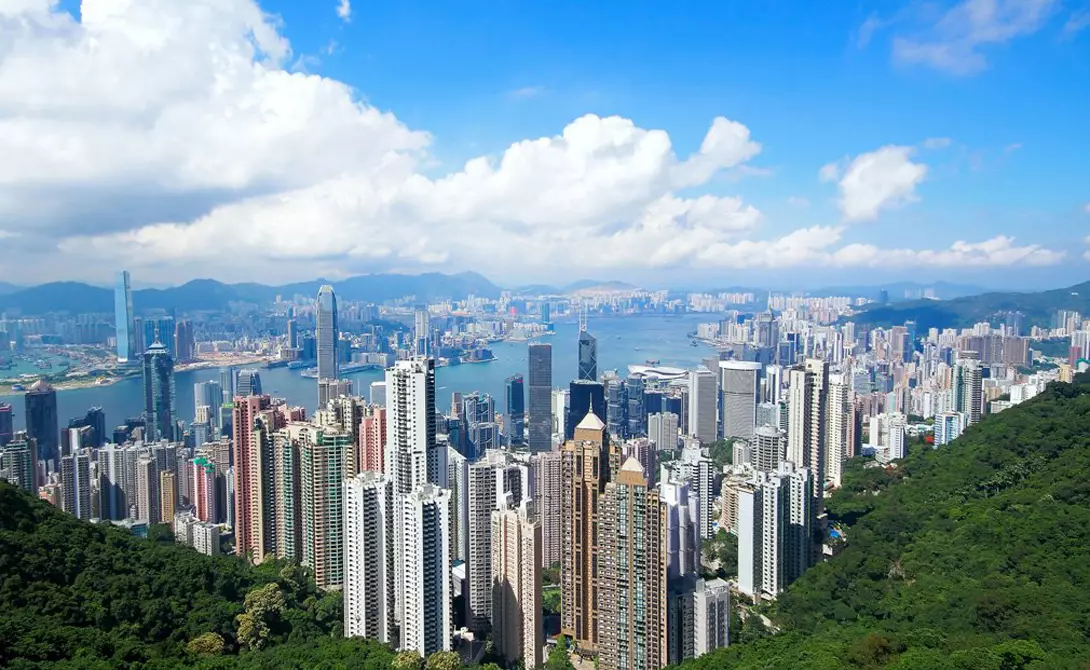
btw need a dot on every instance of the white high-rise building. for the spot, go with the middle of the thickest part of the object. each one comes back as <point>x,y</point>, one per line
<point>547,508</point>
<point>947,427</point>
<point>712,611</point>
<point>412,455</point>
<point>740,388</point>
<point>968,387</point>
<point>425,558</point>
<point>807,412</point>
<point>369,518</point>
<point>767,448</point>
<point>662,429</point>
<point>516,587</point>
<point>76,484</point>
<point>774,526</point>
<point>703,388</point>
<point>840,428</point>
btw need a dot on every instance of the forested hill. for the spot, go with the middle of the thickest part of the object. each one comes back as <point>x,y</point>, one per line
<point>975,556</point>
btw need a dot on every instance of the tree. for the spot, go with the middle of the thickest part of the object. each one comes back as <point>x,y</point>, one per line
<point>407,660</point>
<point>207,644</point>
<point>558,656</point>
<point>252,632</point>
<point>444,660</point>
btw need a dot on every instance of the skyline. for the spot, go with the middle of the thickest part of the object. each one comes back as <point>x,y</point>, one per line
<point>288,141</point>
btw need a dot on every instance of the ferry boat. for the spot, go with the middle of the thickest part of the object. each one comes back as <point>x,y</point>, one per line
<point>18,387</point>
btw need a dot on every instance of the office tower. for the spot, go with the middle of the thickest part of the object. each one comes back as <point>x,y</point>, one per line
<point>740,388</point>
<point>478,430</point>
<point>637,410</point>
<point>248,383</point>
<point>585,470</point>
<point>167,496</point>
<point>515,416</point>
<point>948,426</point>
<point>41,420</point>
<point>372,440</point>
<point>547,504</point>
<point>369,557</point>
<point>378,393</point>
<point>421,328</point>
<point>326,333</point>
<point>539,381</point>
<point>584,396</point>
<point>632,601</point>
<point>147,490</point>
<point>807,413</point>
<point>425,571</point>
<point>773,385</point>
<point>321,459</point>
<point>227,383</point>
<point>412,454</point>
<point>76,485</point>
<point>123,318</point>
<point>703,388</point>
<point>683,541</point>
<point>662,429</point>
<point>292,333</point>
<point>19,463</point>
<point>7,423</point>
<point>185,348</point>
<point>158,393</point>
<point>560,411</point>
<point>588,355</point>
<point>330,389</point>
<point>968,387</point>
<point>840,424</point>
<point>210,394</point>
<point>767,448</point>
<point>516,587</point>
<point>94,419</point>
<point>774,528</point>
<point>765,331</point>
<point>616,400</point>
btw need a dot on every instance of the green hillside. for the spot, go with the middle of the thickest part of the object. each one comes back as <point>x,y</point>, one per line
<point>1037,309</point>
<point>973,556</point>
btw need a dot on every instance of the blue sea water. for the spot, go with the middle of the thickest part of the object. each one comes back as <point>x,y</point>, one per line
<point>622,341</point>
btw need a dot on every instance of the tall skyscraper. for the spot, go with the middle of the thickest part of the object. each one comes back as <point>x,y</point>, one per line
<point>369,519</point>
<point>210,394</point>
<point>662,429</point>
<point>968,387</point>
<point>7,423</point>
<point>421,330</point>
<point>248,383</point>
<point>185,349</point>
<point>767,448</point>
<point>740,389</point>
<point>425,572</point>
<point>584,395</point>
<point>19,463</point>
<point>585,470</point>
<point>123,319</point>
<point>412,454</point>
<point>326,333</point>
<point>547,504</point>
<point>253,464</point>
<point>168,495</point>
<point>372,440</point>
<point>515,416</point>
<point>321,458</point>
<point>703,388</point>
<point>539,381</point>
<point>94,421</point>
<point>632,567</point>
<point>840,425</point>
<point>147,489</point>
<point>159,392</point>
<point>76,485</point>
<point>41,420</point>
<point>516,587</point>
<point>807,413</point>
<point>588,355</point>
<point>774,526</point>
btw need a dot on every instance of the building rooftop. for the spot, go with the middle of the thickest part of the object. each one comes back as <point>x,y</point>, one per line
<point>591,422</point>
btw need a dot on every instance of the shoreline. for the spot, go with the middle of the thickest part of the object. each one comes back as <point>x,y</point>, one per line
<point>105,380</point>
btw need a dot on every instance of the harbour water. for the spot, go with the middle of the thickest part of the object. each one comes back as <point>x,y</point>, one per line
<point>622,341</point>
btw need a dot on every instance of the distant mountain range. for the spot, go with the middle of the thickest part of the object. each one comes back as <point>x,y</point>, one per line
<point>903,291</point>
<point>209,294</point>
<point>1037,308</point>
<point>6,288</point>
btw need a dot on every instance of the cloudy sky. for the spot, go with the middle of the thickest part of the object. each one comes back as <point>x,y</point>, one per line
<point>729,143</point>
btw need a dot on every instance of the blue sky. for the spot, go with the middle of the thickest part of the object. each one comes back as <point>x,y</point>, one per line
<point>1004,84</point>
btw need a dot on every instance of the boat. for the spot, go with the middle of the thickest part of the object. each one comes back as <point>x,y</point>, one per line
<point>652,362</point>
<point>18,387</point>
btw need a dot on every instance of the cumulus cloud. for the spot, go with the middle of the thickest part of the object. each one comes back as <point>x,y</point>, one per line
<point>174,138</point>
<point>875,181</point>
<point>957,40</point>
<point>344,10</point>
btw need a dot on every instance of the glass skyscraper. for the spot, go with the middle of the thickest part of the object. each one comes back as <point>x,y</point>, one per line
<point>41,420</point>
<point>325,320</point>
<point>588,356</point>
<point>159,393</point>
<point>539,430</point>
<point>123,318</point>
<point>515,416</point>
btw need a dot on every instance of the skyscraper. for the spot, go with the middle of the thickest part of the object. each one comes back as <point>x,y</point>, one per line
<point>740,388</point>
<point>662,429</point>
<point>159,392</point>
<point>41,420</point>
<point>588,355</point>
<point>94,419</point>
<point>515,416</point>
<point>539,381</point>
<point>584,395</point>
<point>253,464</point>
<point>703,387</point>
<point>774,525</point>
<point>516,587</point>
<point>968,389</point>
<point>7,423</point>
<point>807,414</point>
<point>326,333</point>
<point>840,426</point>
<point>372,440</point>
<point>321,458</point>
<point>948,427</point>
<point>767,448</point>
<point>123,319</point>
<point>76,485</point>
<point>369,585</point>
<point>412,455</point>
<point>168,495</point>
<point>585,470</point>
<point>185,349</point>
<point>547,504</point>
<point>19,463</point>
<point>249,383</point>
<point>632,567</point>
<point>147,489</point>
<point>425,572</point>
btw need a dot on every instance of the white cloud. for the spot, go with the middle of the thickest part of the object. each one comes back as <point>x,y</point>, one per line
<point>871,182</point>
<point>527,92</point>
<point>937,143</point>
<point>169,138</point>
<point>344,10</point>
<point>956,42</point>
<point>829,172</point>
<point>798,201</point>
<point>1076,23</point>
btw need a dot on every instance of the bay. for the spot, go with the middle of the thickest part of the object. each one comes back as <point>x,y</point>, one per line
<point>622,341</point>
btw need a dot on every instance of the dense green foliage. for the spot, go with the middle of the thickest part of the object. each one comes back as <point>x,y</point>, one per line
<point>972,556</point>
<point>1037,309</point>
<point>75,590</point>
